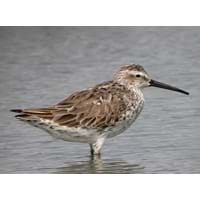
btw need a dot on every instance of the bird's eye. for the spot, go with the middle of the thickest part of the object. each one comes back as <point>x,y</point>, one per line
<point>137,75</point>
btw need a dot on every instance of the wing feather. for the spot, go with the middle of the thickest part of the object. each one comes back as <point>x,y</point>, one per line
<point>99,107</point>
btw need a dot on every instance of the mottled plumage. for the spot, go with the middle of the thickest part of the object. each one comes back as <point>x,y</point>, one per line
<point>94,114</point>
<point>98,107</point>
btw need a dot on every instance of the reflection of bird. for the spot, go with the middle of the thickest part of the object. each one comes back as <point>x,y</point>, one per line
<point>93,115</point>
<point>98,166</point>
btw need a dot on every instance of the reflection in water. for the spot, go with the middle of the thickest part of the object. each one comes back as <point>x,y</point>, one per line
<point>97,165</point>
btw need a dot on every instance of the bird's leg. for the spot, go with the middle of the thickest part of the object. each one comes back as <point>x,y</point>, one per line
<point>95,148</point>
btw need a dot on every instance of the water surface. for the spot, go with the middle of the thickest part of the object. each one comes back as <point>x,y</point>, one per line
<point>39,66</point>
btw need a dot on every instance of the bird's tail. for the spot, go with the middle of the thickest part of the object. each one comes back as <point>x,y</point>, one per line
<point>23,116</point>
<point>16,110</point>
<point>33,114</point>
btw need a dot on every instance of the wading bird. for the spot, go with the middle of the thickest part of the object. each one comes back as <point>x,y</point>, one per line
<point>100,112</point>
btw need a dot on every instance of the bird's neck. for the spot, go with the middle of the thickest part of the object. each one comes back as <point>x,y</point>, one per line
<point>133,89</point>
<point>137,91</point>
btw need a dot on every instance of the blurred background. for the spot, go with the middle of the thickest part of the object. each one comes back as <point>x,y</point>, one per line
<point>40,66</point>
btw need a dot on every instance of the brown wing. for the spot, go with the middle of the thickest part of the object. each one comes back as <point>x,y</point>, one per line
<point>99,107</point>
<point>95,108</point>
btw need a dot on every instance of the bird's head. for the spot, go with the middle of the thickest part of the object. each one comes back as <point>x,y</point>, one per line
<point>134,76</point>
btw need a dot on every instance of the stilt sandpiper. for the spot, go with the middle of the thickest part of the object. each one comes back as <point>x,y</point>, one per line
<point>100,112</point>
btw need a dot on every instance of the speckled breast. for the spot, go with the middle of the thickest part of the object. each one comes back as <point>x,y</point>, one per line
<point>126,120</point>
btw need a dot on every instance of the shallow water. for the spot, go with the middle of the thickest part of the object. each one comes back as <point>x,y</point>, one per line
<point>39,66</point>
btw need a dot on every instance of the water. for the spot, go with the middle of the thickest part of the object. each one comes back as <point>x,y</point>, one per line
<point>39,66</point>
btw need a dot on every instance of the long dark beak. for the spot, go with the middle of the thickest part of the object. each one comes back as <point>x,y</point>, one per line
<point>166,86</point>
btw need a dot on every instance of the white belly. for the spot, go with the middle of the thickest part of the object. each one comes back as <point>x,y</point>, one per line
<point>68,134</point>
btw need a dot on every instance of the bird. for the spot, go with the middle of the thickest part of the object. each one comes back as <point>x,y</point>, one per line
<point>97,113</point>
